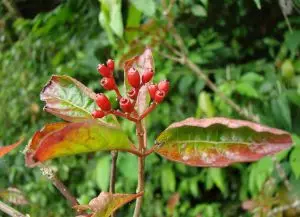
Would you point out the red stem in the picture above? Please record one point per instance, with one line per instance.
(119, 96)
(123, 115)
(148, 110)
(141, 134)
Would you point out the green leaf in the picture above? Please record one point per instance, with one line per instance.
(111, 18)
(218, 177)
(145, 6)
(263, 170)
(292, 41)
(246, 89)
(218, 142)
(199, 10)
(129, 167)
(295, 161)
(296, 140)
(205, 105)
(63, 139)
(168, 181)
(68, 99)
(258, 4)
(293, 96)
(102, 172)
(281, 112)
(116, 20)
(252, 77)
(133, 22)
(106, 203)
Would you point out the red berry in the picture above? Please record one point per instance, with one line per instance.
(147, 76)
(103, 102)
(164, 86)
(159, 96)
(108, 83)
(104, 70)
(132, 94)
(98, 114)
(126, 105)
(152, 88)
(133, 77)
(110, 64)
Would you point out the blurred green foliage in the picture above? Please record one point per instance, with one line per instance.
(246, 49)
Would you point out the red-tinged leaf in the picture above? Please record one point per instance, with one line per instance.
(219, 142)
(106, 203)
(141, 63)
(68, 99)
(37, 138)
(14, 196)
(62, 139)
(5, 149)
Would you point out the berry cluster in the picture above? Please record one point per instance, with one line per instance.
(157, 92)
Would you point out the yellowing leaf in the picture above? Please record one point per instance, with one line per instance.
(62, 139)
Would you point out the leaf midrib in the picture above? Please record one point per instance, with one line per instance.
(70, 103)
(210, 142)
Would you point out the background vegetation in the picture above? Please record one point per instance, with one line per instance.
(248, 49)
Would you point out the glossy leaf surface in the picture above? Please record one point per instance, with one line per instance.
(68, 99)
(141, 63)
(106, 203)
(62, 139)
(219, 142)
(5, 149)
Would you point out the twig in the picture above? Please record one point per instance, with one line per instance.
(282, 173)
(214, 88)
(10, 211)
(113, 171)
(280, 209)
(49, 173)
(171, 57)
(11, 8)
(151, 150)
(141, 134)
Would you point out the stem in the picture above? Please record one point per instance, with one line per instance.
(141, 134)
(113, 170)
(151, 150)
(59, 185)
(148, 110)
(10, 211)
(119, 96)
(123, 115)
